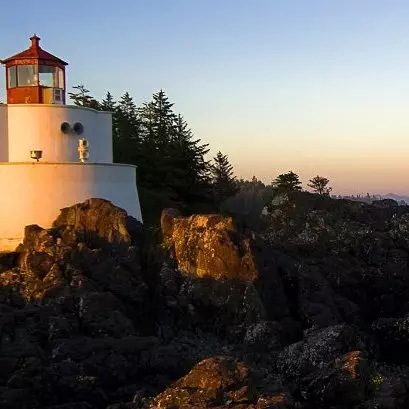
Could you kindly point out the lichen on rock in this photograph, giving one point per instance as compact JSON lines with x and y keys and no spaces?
{"x":209,"y":245}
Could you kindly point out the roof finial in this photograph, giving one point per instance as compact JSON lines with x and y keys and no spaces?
{"x":35,"y":41}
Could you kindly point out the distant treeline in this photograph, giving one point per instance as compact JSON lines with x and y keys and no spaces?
{"x":367,"y":198}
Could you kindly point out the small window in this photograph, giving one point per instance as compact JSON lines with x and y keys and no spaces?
{"x":60,"y":78}
{"x":46,"y":76}
{"x":12,"y":77}
{"x":57,"y":95}
{"x":26,"y":75}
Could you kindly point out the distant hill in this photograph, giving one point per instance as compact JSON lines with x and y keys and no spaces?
{"x":401,"y":199}
{"x":398,"y":198}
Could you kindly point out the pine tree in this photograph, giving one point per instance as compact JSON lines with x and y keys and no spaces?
{"x":319,"y":185}
{"x":224,"y":182}
{"x":157,"y":127}
{"x":287,"y":182}
{"x":128,"y":118}
{"x":157,"y":119}
{"x":126,"y":131}
{"x":189,"y":173}
{"x":83,"y":98}
{"x":171,"y":165}
{"x":108,"y":104}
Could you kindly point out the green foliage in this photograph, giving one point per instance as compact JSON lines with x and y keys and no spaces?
{"x":248,"y":204}
{"x":319,"y":185}
{"x":287,"y":182}
{"x":223,"y":180}
{"x":82,"y":98}
{"x":171,"y":167}
{"x":108,"y":104}
{"x":375,"y":381}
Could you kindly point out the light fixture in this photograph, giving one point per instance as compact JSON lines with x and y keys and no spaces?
{"x":36,"y":154}
{"x":83,"y":150}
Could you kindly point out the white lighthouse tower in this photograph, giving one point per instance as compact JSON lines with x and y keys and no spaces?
{"x":52,"y":155}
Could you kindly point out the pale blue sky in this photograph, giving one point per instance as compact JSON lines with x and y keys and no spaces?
{"x":314,"y":86}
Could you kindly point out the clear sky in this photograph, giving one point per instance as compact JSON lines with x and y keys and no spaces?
{"x":313,"y":86}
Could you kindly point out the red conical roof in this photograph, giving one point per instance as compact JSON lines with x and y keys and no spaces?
{"x":35,"y":52}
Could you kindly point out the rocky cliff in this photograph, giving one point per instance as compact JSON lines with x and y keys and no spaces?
{"x":98,"y":312}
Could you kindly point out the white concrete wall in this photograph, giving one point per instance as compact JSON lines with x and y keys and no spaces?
{"x":38,"y":126}
{"x":34,"y":193}
{"x":4,"y":148}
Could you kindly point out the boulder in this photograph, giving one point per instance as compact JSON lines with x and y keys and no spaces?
{"x":78,"y":328}
{"x":329,"y":366}
{"x":220,"y":382}
{"x":209,"y":246}
{"x":98,"y":223}
{"x":213,"y":382}
{"x":317,"y":349}
{"x":229,"y":277}
{"x":343,"y":381}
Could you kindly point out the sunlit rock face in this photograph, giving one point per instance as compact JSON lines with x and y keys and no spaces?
{"x":220,"y":382}
{"x":224,"y":270}
{"x":74,"y":310}
{"x":208,"y":245}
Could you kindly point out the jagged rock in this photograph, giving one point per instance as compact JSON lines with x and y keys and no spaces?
{"x":166,"y":222}
{"x":393,"y":336}
{"x":343,"y":381}
{"x":275,"y":401}
{"x":219,"y":382}
{"x":327,"y":367}
{"x":316,"y":299}
{"x":98,"y":223}
{"x":74,"y":327}
{"x":317,"y":350}
{"x":8,"y":260}
{"x":230,"y":278}
{"x":92,"y":318}
{"x":212,"y":382}
{"x":392,"y":394}
{"x":209,"y":246}
{"x":264,"y":336}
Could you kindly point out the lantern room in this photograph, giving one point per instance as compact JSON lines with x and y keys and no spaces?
{"x":35,"y":76}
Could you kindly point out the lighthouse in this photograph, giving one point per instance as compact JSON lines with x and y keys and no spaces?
{"x":53,"y":155}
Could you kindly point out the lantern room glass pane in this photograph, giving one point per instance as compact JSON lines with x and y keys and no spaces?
{"x":47,"y":76}
{"x":26,"y":75}
{"x":12,"y":77}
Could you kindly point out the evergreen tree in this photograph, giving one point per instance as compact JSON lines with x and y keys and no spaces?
{"x":319,"y":185}
{"x":126,"y":132}
{"x":287,"y":182}
{"x":171,"y":165}
{"x":189,"y":173}
{"x":157,"y":119}
{"x":108,"y":104}
{"x":128,"y":118}
{"x":224,"y":182}
{"x":83,"y":98}
{"x":157,"y":130}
